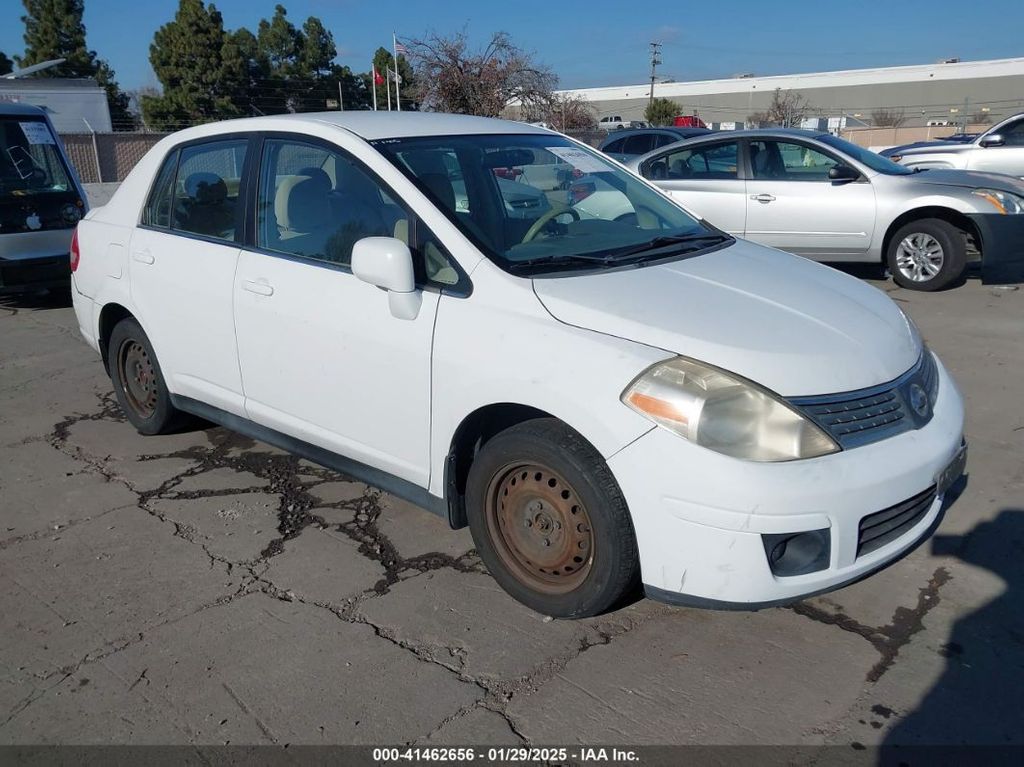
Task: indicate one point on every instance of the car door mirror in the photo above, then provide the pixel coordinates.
(843, 173)
(994, 139)
(386, 263)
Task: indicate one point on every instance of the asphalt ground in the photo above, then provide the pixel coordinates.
(205, 588)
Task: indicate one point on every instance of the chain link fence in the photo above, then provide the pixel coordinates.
(107, 157)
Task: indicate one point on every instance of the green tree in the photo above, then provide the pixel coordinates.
(662, 111)
(6, 65)
(202, 69)
(54, 30)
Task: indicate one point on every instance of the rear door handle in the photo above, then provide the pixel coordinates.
(260, 288)
(765, 198)
(143, 256)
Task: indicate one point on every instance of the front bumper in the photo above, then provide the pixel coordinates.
(699, 516)
(1002, 247)
(25, 275)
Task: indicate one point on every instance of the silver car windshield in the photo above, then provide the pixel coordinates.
(538, 204)
(866, 157)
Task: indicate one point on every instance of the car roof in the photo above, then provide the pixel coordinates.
(20, 110)
(372, 125)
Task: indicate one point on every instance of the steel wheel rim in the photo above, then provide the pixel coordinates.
(137, 377)
(919, 257)
(528, 504)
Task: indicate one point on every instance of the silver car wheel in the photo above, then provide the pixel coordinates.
(919, 257)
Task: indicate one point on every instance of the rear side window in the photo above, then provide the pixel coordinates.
(206, 189)
(717, 161)
(614, 147)
(639, 144)
(158, 209)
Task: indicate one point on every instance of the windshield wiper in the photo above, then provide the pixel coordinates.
(698, 241)
(576, 258)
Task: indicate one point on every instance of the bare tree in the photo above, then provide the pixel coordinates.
(788, 109)
(979, 118)
(563, 113)
(888, 118)
(453, 78)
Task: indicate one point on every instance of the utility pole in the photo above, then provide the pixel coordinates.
(655, 61)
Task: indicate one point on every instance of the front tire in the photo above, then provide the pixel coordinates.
(927, 254)
(138, 381)
(550, 522)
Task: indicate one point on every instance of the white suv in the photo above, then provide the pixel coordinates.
(604, 402)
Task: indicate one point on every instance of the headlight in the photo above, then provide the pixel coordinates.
(1006, 203)
(724, 413)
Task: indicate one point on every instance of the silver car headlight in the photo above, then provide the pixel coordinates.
(1005, 203)
(724, 413)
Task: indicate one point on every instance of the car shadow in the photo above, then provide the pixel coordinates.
(979, 698)
(43, 300)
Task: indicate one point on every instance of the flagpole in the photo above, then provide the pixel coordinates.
(394, 48)
(373, 85)
(387, 83)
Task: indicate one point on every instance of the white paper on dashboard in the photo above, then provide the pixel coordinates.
(579, 159)
(37, 133)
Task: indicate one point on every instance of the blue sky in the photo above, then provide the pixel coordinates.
(604, 42)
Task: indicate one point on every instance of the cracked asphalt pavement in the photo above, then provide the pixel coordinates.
(204, 588)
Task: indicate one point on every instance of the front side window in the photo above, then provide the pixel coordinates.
(538, 204)
(714, 161)
(206, 189)
(30, 159)
(1013, 134)
(789, 161)
(316, 203)
(865, 156)
(614, 147)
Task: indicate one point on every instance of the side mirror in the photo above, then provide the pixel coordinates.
(843, 173)
(386, 263)
(993, 139)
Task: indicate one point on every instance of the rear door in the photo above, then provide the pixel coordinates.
(705, 179)
(182, 268)
(793, 205)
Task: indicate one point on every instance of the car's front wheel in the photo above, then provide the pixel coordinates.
(550, 522)
(927, 254)
(138, 381)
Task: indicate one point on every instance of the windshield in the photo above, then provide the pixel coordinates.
(866, 157)
(538, 204)
(30, 161)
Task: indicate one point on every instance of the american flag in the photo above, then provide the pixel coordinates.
(399, 48)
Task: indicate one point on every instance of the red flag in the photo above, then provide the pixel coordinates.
(378, 78)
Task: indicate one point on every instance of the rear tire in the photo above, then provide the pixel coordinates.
(927, 254)
(550, 522)
(138, 381)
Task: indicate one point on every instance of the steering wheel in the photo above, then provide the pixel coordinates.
(541, 222)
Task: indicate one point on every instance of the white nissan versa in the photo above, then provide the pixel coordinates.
(604, 402)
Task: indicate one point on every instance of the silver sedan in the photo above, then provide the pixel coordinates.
(819, 196)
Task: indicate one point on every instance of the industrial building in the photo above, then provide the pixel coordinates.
(73, 105)
(951, 92)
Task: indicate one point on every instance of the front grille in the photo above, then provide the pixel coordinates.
(869, 415)
(887, 525)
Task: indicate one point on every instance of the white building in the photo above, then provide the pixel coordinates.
(925, 93)
(74, 105)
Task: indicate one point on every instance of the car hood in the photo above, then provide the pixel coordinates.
(931, 147)
(970, 179)
(791, 325)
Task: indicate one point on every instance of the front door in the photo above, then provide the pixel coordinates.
(794, 206)
(1006, 158)
(705, 180)
(322, 358)
(182, 269)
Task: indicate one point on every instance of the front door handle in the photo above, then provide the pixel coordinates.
(260, 288)
(143, 256)
(765, 198)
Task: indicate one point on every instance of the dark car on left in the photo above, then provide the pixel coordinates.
(630, 143)
(41, 201)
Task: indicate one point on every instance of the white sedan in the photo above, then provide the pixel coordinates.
(605, 403)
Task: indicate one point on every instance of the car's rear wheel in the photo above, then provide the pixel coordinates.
(138, 382)
(927, 254)
(550, 521)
